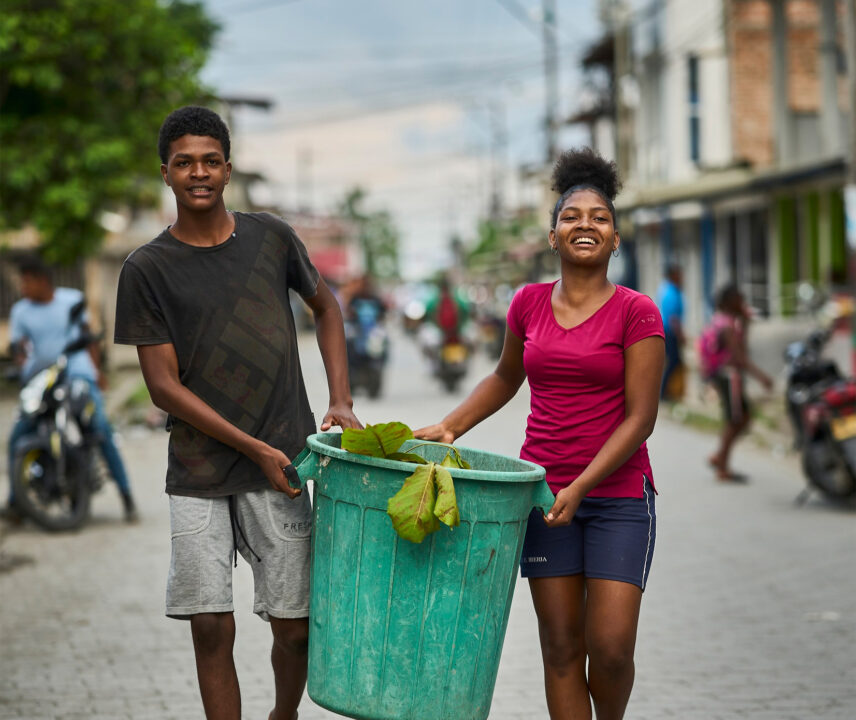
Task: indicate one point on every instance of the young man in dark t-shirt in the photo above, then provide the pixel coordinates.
(207, 305)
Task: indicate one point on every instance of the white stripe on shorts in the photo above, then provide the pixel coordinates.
(650, 524)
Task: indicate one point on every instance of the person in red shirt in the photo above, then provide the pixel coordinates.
(593, 353)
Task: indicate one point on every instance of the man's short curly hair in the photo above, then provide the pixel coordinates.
(192, 120)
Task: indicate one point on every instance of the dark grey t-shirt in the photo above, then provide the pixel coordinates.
(226, 310)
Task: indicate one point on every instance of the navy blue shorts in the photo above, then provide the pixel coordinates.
(609, 538)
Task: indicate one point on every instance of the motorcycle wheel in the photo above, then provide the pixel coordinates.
(826, 471)
(39, 496)
(373, 383)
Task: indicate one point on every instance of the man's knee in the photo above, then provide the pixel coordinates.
(291, 636)
(212, 632)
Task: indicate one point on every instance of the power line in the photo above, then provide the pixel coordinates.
(518, 12)
(243, 8)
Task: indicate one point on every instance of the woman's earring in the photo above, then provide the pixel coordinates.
(554, 249)
(615, 252)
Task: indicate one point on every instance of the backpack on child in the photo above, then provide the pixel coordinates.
(713, 353)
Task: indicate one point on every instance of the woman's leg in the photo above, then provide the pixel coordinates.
(611, 619)
(560, 604)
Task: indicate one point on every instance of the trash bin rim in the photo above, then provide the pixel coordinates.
(533, 473)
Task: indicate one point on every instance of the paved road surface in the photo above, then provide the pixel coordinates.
(750, 611)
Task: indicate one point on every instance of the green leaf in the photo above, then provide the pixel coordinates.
(407, 457)
(411, 509)
(455, 460)
(376, 440)
(446, 507)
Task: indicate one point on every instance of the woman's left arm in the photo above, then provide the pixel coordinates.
(643, 371)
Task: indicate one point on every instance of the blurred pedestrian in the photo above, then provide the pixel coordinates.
(39, 330)
(207, 305)
(593, 355)
(670, 300)
(725, 362)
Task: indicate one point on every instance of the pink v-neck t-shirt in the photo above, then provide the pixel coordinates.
(576, 379)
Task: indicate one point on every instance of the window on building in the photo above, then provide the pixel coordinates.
(694, 108)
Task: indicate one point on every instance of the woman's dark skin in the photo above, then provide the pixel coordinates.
(736, 344)
(579, 618)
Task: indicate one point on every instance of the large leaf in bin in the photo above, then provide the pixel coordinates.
(411, 509)
(407, 457)
(453, 459)
(446, 507)
(379, 440)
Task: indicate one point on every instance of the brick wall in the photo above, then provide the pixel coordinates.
(750, 40)
(749, 24)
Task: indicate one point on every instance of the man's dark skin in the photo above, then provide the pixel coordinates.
(197, 172)
(40, 289)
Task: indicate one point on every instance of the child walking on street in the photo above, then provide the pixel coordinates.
(725, 362)
(207, 305)
(593, 354)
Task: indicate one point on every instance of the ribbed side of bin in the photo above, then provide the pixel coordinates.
(405, 631)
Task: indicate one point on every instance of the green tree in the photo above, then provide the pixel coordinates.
(379, 237)
(84, 87)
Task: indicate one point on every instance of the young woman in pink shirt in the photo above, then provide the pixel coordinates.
(593, 354)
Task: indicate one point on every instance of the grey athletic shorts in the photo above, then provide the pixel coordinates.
(269, 529)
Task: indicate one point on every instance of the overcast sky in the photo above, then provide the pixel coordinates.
(406, 98)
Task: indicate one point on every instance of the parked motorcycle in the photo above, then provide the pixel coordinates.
(368, 346)
(821, 404)
(54, 470)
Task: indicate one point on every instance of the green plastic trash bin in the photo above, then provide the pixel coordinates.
(404, 631)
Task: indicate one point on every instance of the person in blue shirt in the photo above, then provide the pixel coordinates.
(670, 300)
(38, 332)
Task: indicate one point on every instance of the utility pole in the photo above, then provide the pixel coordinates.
(304, 179)
(830, 115)
(498, 145)
(850, 182)
(782, 124)
(551, 77)
(620, 22)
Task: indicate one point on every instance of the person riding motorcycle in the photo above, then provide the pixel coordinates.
(448, 311)
(38, 332)
(366, 338)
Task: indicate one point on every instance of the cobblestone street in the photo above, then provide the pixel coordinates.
(750, 611)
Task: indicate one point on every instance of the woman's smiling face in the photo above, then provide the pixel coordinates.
(585, 231)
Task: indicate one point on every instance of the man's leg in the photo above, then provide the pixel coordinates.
(213, 641)
(199, 588)
(21, 427)
(289, 659)
(111, 453)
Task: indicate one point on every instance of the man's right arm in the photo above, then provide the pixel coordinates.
(159, 364)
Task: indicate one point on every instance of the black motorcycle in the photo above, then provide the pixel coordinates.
(821, 404)
(54, 472)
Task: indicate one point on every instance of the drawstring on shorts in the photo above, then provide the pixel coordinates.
(237, 529)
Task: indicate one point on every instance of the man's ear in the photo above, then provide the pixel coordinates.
(164, 174)
(228, 171)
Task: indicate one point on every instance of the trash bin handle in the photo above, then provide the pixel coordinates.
(302, 468)
(544, 497)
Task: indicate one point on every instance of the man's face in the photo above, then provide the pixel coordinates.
(35, 287)
(197, 171)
